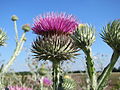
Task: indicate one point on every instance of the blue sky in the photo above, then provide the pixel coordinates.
(95, 12)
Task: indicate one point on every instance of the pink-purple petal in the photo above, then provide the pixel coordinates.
(54, 22)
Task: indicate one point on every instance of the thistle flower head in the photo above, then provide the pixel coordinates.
(111, 35)
(47, 82)
(84, 36)
(17, 88)
(53, 48)
(3, 38)
(54, 23)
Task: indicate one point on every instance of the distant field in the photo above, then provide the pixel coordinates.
(80, 78)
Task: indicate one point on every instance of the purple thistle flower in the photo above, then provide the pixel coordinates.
(54, 23)
(47, 82)
(17, 88)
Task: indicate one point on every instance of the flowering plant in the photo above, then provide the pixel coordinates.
(54, 43)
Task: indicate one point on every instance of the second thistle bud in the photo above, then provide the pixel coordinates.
(84, 36)
(42, 71)
(26, 27)
(68, 83)
(14, 18)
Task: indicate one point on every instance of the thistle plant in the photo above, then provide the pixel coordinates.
(53, 42)
(84, 37)
(68, 83)
(3, 38)
(42, 72)
(111, 36)
(19, 45)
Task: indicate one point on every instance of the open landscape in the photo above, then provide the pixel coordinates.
(60, 45)
(80, 79)
(113, 82)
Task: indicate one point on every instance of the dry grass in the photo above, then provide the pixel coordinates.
(80, 79)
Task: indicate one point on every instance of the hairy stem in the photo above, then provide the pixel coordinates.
(90, 68)
(56, 75)
(106, 72)
(16, 32)
(15, 54)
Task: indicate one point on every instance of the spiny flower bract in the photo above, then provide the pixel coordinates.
(54, 47)
(84, 35)
(51, 23)
(3, 38)
(111, 35)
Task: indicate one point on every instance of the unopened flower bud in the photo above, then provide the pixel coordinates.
(26, 27)
(68, 83)
(42, 71)
(14, 18)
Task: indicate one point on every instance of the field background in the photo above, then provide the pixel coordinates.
(112, 83)
(80, 78)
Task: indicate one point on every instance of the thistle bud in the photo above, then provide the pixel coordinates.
(84, 36)
(111, 35)
(26, 27)
(14, 18)
(42, 71)
(68, 83)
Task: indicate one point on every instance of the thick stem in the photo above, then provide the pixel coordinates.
(90, 68)
(56, 75)
(106, 72)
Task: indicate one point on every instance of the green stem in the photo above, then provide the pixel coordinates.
(16, 32)
(41, 83)
(13, 57)
(15, 54)
(106, 72)
(56, 75)
(90, 68)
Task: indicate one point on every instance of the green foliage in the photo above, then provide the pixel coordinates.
(42, 70)
(57, 48)
(69, 84)
(3, 38)
(111, 35)
(84, 36)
